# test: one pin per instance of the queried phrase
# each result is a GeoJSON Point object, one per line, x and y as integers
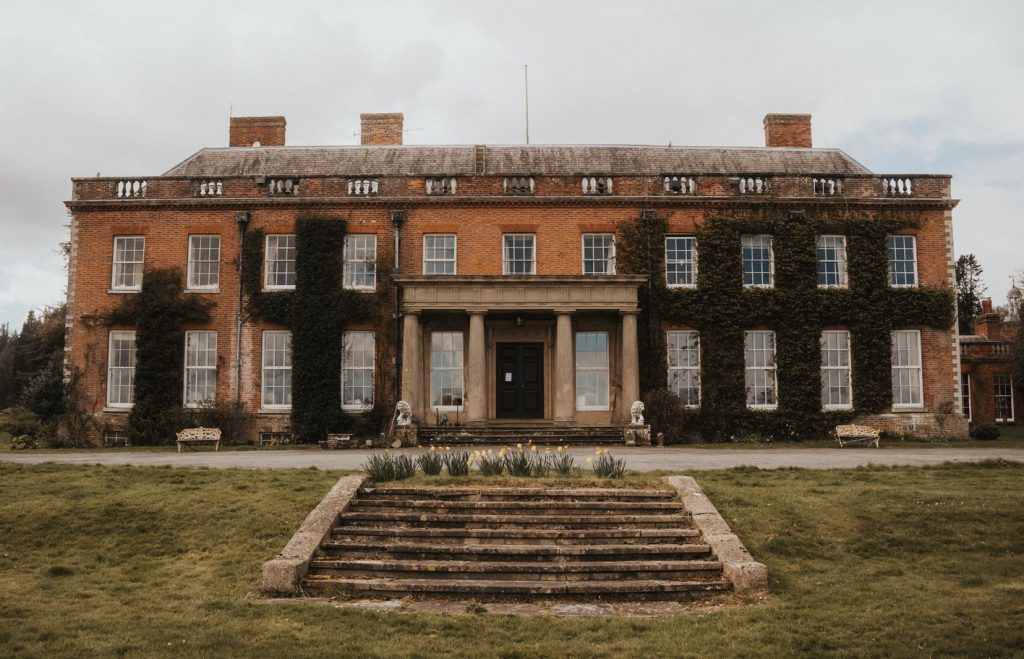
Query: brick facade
{"type": "Point", "coordinates": [205, 194]}
{"type": "Point", "coordinates": [986, 355]}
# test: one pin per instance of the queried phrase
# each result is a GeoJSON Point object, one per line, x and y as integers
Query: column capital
{"type": "Point", "coordinates": [412, 311]}
{"type": "Point", "coordinates": [476, 312]}
{"type": "Point", "coordinates": [564, 311]}
{"type": "Point", "coordinates": [629, 312]}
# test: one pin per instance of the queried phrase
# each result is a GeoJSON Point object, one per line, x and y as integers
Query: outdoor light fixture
{"type": "Point", "coordinates": [519, 320]}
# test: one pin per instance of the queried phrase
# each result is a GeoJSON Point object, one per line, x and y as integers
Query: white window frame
{"type": "Point", "coordinates": [914, 369]}
{"type": "Point", "coordinates": [609, 262]}
{"type": "Point", "coordinates": [265, 368]}
{"type": "Point", "coordinates": [890, 249]}
{"type": "Point", "coordinates": [192, 262]}
{"type": "Point", "coordinates": [346, 339]}
{"type": "Point", "coordinates": [680, 261]}
{"type": "Point", "coordinates": [197, 368]}
{"type": "Point", "coordinates": [772, 369]}
{"type": "Point", "coordinates": [688, 353]}
{"type": "Point", "coordinates": [267, 284]}
{"type": "Point", "coordinates": [599, 370]}
{"type": "Point", "coordinates": [121, 335]}
{"type": "Point", "coordinates": [749, 242]}
{"type": "Point", "coordinates": [506, 261]}
{"type": "Point", "coordinates": [366, 244]}
{"type": "Point", "coordinates": [137, 266]}
{"type": "Point", "coordinates": [845, 371]}
{"type": "Point", "coordinates": [837, 243]}
{"type": "Point", "coordinates": [965, 395]}
{"type": "Point", "coordinates": [997, 396]}
{"type": "Point", "coordinates": [458, 339]}
{"type": "Point", "coordinates": [455, 254]}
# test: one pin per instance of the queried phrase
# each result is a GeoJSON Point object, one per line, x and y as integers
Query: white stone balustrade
{"type": "Point", "coordinates": [283, 186]}
{"type": "Point", "coordinates": [131, 188]}
{"type": "Point", "coordinates": [210, 188]}
{"type": "Point", "coordinates": [827, 186]}
{"type": "Point", "coordinates": [754, 185]}
{"type": "Point", "coordinates": [897, 186]}
{"type": "Point", "coordinates": [597, 185]}
{"type": "Point", "coordinates": [441, 186]}
{"type": "Point", "coordinates": [514, 185]}
{"type": "Point", "coordinates": [680, 185]}
{"type": "Point", "coordinates": [363, 187]}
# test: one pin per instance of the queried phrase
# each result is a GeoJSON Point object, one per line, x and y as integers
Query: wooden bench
{"type": "Point", "coordinates": [853, 434]}
{"type": "Point", "coordinates": [190, 436]}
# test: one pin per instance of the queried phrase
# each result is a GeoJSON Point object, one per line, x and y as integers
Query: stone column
{"type": "Point", "coordinates": [565, 372]}
{"type": "Point", "coordinates": [476, 370]}
{"type": "Point", "coordinates": [630, 363]}
{"type": "Point", "coordinates": [412, 364]}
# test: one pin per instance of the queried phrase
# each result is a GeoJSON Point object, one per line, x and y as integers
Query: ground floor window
{"type": "Point", "coordinates": [357, 362]}
{"type": "Point", "coordinates": [965, 395]}
{"type": "Point", "coordinates": [277, 369]}
{"type": "Point", "coordinates": [1003, 387]}
{"type": "Point", "coordinates": [592, 370]}
{"type": "Point", "coordinates": [684, 366]}
{"type": "Point", "coordinates": [761, 374]}
{"type": "Point", "coordinates": [200, 368]}
{"type": "Point", "coordinates": [906, 369]}
{"type": "Point", "coordinates": [835, 370]}
{"type": "Point", "coordinates": [446, 355]}
{"type": "Point", "coordinates": [121, 369]}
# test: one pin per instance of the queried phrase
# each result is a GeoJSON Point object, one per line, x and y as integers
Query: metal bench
{"type": "Point", "coordinates": [854, 434]}
{"type": "Point", "coordinates": [190, 436]}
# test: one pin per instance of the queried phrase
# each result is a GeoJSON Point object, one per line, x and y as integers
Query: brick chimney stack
{"type": "Point", "coordinates": [256, 131]}
{"type": "Point", "coordinates": [787, 130]}
{"type": "Point", "coordinates": [381, 127]}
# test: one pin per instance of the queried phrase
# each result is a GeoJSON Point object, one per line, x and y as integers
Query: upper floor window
{"type": "Point", "coordinates": [519, 255]}
{"type": "Point", "coordinates": [761, 374]}
{"type": "Point", "coordinates": [129, 256]}
{"type": "Point", "coordinates": [121, 369]}
{"type": "Point", "coordinates": [277, 369]}
{"type": "Point", "coordinates": [902, 261]}
{"type": "Point", "coordinates": [279, 262]}
{"type": "Point", "coordinates": [836, 388]}
{"type": "Point", "coordinates": [681, 261]}
{"type": "Point", "coordinates": [360, 263]}
{"type": "Point", "coordinates": [598, 254]}
{"type": "Point", "coordinates": [200, 368]}
{"type": "Point", "coordinates": [906, 369]}
{"type": "Point", "coordinates": [597, 185]}
{"type": "Point", "coordinates": [684, 366]}
{"type": "Point", "coordinates": [203, 262]}
{"type": "Point", "coordinates": [357, 365]}
{"type": "Point", "coordinates": [758, 262]}
{"type": "Point", "coordinates": [831, 262]}
{"type": "Point", "coordinates": [439, 254]}
{"type": "Point", "coordinates": [592, 370]}
{"type": "Point", "coordinates": [1003, 388]}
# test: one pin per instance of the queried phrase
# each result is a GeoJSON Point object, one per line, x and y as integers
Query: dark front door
{"type": "Point", "coordinates": [520, 381]}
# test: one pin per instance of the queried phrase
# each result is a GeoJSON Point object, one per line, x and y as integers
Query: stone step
{"type": "Point", "coordinates": [638, 589]}
{"type": "Point", "coordinates": [517, 570]}
{"type": "Point", "coordinates": [515, 552]}
{"type": "Point", "coordinates": [516, 493]}
{"type": "Point", "coordinates": [453, 536]}
{"type": "Point", "coordinates": [511, 521]}
{"type": "Point", "coordinates": [536, 507]}
{"type": "Point", "coordinates": [512, 440]}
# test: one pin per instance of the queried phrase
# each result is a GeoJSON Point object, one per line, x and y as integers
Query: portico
{"type": "Point", "coordinates": [484, 349]}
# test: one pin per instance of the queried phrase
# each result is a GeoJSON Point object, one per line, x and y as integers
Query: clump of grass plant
{"type": "Point", "coordinates": [456, 462]}
{"type": "Point", "coordinates": [605, 466]}
{"type": "Point", "coordinates": [519, 460]}
{"type": "Point", "coordinates": [562, 461]}
{"type": "Point", "coordinates": [384, 467]}
{"type": "Point", "coordinates": [431, 462]}
{"type": "Point", "coordinates": [489, 463]}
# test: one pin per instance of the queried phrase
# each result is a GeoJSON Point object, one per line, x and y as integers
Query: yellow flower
{"type": "Point", "coordinates": [519, 446]}
{"type": "Point", "coordinates": [590, 461]}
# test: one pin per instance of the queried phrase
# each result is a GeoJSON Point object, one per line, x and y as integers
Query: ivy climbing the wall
{"type": "Point", "coordinates": [158, 313]}
{"type": "Point", "coordinates": [721, 309]}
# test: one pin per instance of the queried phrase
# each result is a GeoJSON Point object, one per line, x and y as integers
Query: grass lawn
{"type": "Point", "coordinates": [99, 561]}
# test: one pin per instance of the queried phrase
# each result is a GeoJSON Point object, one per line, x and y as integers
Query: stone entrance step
{"type": "Point", "coordinates": [543, 434]}
{"type": "Point", "coordinates": [519, 570]}
{"type": "Point", "coordinates": [456, 536]}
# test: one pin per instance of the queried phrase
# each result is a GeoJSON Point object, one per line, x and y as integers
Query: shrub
{"type": "Point", "coordinates": [456, 462]}
{"type": "Point", "coordinates": [384, 467]}
{"type": "Point", "coordinates": [19, 421]}
{"type": "Point", "coordinates": [431, 462]}
{"type": "Point", "coordinates": [234, 422]}
{"type": "Point", "coordinates": [23, 443]}
{"type": "Point", "coordinates": [986, 432]}
{"type": "Point", "coordinates": [605, 466]}
{"type": "Point", "coordinates": [489, 462]}
{"type": "Point", "coordinates": [665, 413]}
{"type": "Point", "coordinates": [563, 461]}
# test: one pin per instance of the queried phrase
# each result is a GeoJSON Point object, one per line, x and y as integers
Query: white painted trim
{"type": "Point", "coordinates": [695, 261]}
{"type": "Point", "coordinates": [455, 261]}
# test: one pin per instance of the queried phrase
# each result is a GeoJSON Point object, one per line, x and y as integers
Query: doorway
{"type": "Point", "coordinates": [520, 385]}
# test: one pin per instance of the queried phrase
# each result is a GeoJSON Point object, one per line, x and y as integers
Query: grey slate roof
{"type": "Point", "coordinates": [508, 160]}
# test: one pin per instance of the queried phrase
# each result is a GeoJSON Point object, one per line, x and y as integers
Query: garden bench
{"type": "Point", "coordinates": [853, 434]}
{"type": "Point", "coordinates": [190, 436]}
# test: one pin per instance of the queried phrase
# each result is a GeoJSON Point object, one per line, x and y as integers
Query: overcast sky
{"type": "Point", "coordinates": [132, 88]}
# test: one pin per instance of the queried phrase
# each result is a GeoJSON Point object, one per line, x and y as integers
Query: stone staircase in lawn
{"type": "Point", "coordinates": [492, 544]}
{"type": "Point", "coordinates": [520, 433]}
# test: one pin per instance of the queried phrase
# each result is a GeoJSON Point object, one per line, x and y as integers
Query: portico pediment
{"type": "Point", "coordinates": [519, 293]}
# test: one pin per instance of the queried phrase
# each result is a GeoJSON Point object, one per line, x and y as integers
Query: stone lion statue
{"type": "Point", "coordinates": [403, 413]}
{"type": "Point", "coordinates": [637, 411]}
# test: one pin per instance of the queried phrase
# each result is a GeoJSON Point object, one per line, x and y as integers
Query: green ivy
{"type": "Point", "coordinates": [317, 313]}
{"type": "Point", "coordinates": [158, 313]}
{"type": "Point", "coordinates": [796, 309]}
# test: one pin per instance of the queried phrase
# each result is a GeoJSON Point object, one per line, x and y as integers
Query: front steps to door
{"type": "Point", "coordinates": [520, 433]}
{"type": "Point", "coordinates": [515, 543]}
